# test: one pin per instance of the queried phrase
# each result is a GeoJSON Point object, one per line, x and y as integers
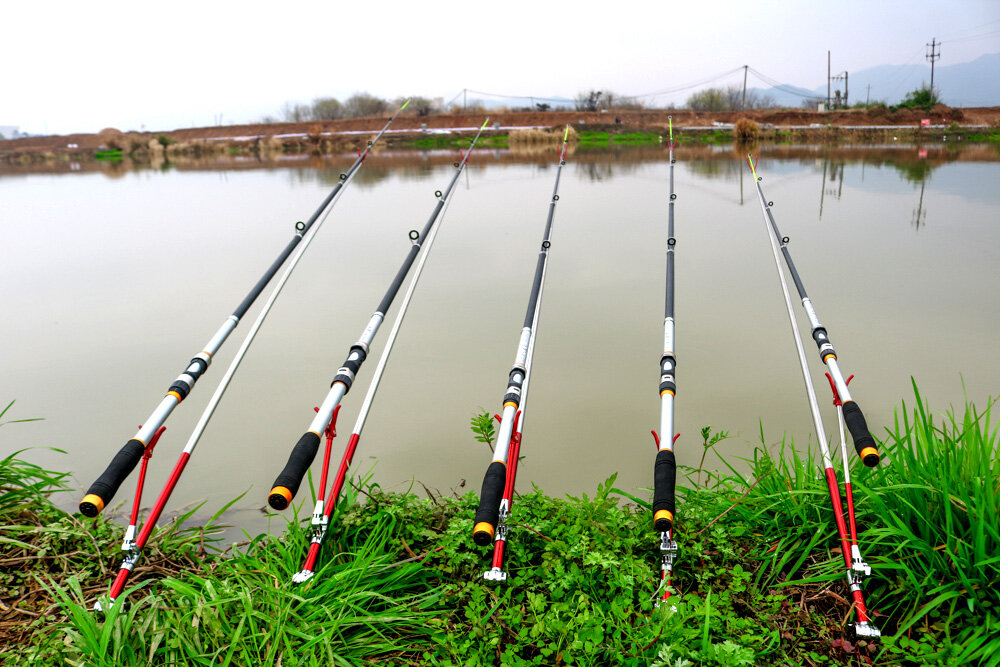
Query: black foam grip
{"type": "Point", "coordinates": [664, 479]}
{"type": "Point", "coordinates": [106, 486]}
{"type": "Point", "coordinates": [298, 463]}
{"type": "Point", "coordinates": [489, 500]}
{"type": "Point", "coordinates": [863, 439]}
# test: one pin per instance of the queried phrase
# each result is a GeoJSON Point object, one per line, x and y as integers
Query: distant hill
{"type": "Point", "coordinates": [971, 84]}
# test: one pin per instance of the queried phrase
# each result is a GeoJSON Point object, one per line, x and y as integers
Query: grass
{"type": "Point", "coordinates": [758, 573]}
{"type": "Point", "coordinates": [594, 139]}
{"type": "Point", "coordinates": [438, 141]}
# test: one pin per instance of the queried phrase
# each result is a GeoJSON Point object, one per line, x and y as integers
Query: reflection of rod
{"type": "Point", "coordinates": [920, 206]}
{"type": "Point", "coordinates": [822, 191]}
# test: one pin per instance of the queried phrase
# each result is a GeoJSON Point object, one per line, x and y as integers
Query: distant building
{"type": "Point", "coordinates": [9, 132]}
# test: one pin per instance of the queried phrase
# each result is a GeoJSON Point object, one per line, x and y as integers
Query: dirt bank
{"type": "Point", "coordinates": [341, 134]}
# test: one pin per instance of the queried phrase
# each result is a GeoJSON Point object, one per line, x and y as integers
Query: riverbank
{"type": "Point", "coordinates": [875, 125]}
{"type": "Point", "coordinates": [757, 574]}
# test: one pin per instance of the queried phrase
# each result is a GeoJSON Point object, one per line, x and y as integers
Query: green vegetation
{"type": "Point", "coordinates": [758, 576]}
{"type": "Point", "coordinates": [439, 141]}
{"type": "Point", "coordinates": [592, 139]}
{"type": "Point", "coordinates": [110, 155]}
{"type": "Point", "coordinates": [921, 98]}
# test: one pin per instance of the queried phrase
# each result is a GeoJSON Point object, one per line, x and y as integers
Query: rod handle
{"type": "Point", "coordinates": [488, 514]}
{"type": "Point", "coordinates": [664, 480]}
{"type": "Point", "coordinates": [864, 443]}
{"type": "Point", "coordinates": [106, 486]}
{"type": "Point", "coordinates": [287, 482]}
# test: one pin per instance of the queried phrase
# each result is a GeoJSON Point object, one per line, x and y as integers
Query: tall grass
{"type": "Point", "coordinates": [928, 524]}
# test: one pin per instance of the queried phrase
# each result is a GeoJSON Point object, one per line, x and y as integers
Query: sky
{"type": "Point", "coordinates": [81, 67]}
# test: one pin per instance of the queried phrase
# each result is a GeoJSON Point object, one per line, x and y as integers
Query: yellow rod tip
{"type": "Point", "coordinates": [405, 104]}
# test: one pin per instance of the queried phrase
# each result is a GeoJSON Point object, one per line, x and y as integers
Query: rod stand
{"type": "Point", "coordinates": [302, 577]}
{"type": "Point", "coordinates": [318, 517]}
{"type": "Point", "coordinates": [495, 574]}
{"type": "Point", "coordinates": [128, 542]}
{"type": "Point", "coordinates": [860, 568]}
{"type": "Point", "coordinates": [668, 548]}
{"type": "Point", "coordinates": [867, 630]}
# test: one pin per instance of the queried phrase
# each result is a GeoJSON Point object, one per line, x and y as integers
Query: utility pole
{"type": "Point", "coordinates": [847, 104]}
{"type": "Point", "coordinates": [464, 93]}
{"type": "Point", "coordinates": [868, 97]}
{"type": "Point", "coordinates": [744, 105]}
{"type": "Point", "coordinates": [828, 80]}
{"type": "Point", "coordinates": [933, 54]}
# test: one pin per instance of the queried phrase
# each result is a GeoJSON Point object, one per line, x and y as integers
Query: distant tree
{"type": "Point", "coordinates": [296, 113]}
{"type": "Point", "coordinates": [542, 106]}
{"type": "Point", "coordinates": [710, 99]}
{"type": "Point", "coordinates": [360, 105]}
{"type": "Point", "coordinates": [327, 108]}
{"type": "Point", "coordinates": [595, 100]}
{"type": "Point", "coordinates": [589, 101]}
{"type": "Point", "coordinates": [423, 106]}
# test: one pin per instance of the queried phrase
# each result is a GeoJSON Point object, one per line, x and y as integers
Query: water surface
{"type": "Point", "coordinates": [115, 278]}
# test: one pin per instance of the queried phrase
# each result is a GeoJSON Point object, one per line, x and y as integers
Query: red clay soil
{"type": "Point", "coordinates": [647, 119]}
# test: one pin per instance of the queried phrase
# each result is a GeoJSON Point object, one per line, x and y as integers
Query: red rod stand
{"type": "Point", "coordinates": [833, 388]}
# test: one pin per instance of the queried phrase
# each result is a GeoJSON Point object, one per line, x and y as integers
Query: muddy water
{"type": "Point", "coordinates": [114, 279]}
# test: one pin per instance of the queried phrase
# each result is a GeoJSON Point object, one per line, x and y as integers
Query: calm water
{"type": "Point", "coordinates": [114, 279]}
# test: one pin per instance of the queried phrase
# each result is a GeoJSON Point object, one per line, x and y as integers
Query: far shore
{"type": "Point", "coordinates": [873, 125]}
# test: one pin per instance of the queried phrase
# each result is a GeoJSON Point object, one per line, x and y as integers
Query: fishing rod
{"type": "Point", "coordinates": [321, 519]}
{"type": "Point", "coordinates": [287, 483]}
{"type": "Point", "coordinates": [497, 493]}
{"type": "Point", "coordinates": [848, 411]}
{"type": "Point", "coordinates": [665, 466]}
{"type": "Point", "coordinates": [106, 486]}
{"type": "Point", "coordinates": [133, 547]}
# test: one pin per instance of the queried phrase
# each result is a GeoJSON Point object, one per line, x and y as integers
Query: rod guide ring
{"type": "Point", "coordinates": [546, 244]}
{"type": "Point", "coordinates": [414, 235]}
{"type": "Point", "coordinates": [300, 226]}
{"type": "Point", "coordinates": [674, 161]}
{"type": "Point", "coordinates": [672, 196]}
{"type": "Point", "coordinates": [455, 164]}
{"type": "Point", "coordinates": [437, 193]}
{"type": "Point", "coordinates": [760, 178]}
{"type": "Point", "coordinates": [770, 204]}
{"type": "Point", "coordinates": [671, 241]}
{"type": "Point", "coordinates": [562, 163]}
{"type": "Point", "coordinates": [343, 177]}
{"type": "Point", "coordinates": [784, 239]}
{"type": "Point", "coordinates": [555, 197]}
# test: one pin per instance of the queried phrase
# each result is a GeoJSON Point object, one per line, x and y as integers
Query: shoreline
{"type": "Point", "coordinates": [980, 124]}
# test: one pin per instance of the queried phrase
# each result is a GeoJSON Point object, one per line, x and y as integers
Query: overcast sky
{"type": "Point", "coordinates": [80, 67]}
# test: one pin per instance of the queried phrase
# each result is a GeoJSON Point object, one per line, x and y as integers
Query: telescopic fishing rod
{"type": "Point", "coordinates": [665, 467]}
{"type": "Point", "coordinates": [848, 411]}
{"type": "Point", "coordinates": [287, 483]}
{"type": "Point", "coordinates": [104, 488]}
{"type": "Point", "coordinates": [497, 493]}
{"type": "Point", "coordinates": [321, 520]}
{"type": "Point", "coordinates": [133, 545]}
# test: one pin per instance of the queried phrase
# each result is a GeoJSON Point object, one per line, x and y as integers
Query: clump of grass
{"type": "Point", "coordinates": [746, 131]}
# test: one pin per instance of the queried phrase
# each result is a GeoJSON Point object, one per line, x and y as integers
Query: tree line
{"type": "Point", "coordinates": [364, 105]}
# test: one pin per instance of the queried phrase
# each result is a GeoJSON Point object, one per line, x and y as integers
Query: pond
{"type": "Point", "coordinates": [115, 277]}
